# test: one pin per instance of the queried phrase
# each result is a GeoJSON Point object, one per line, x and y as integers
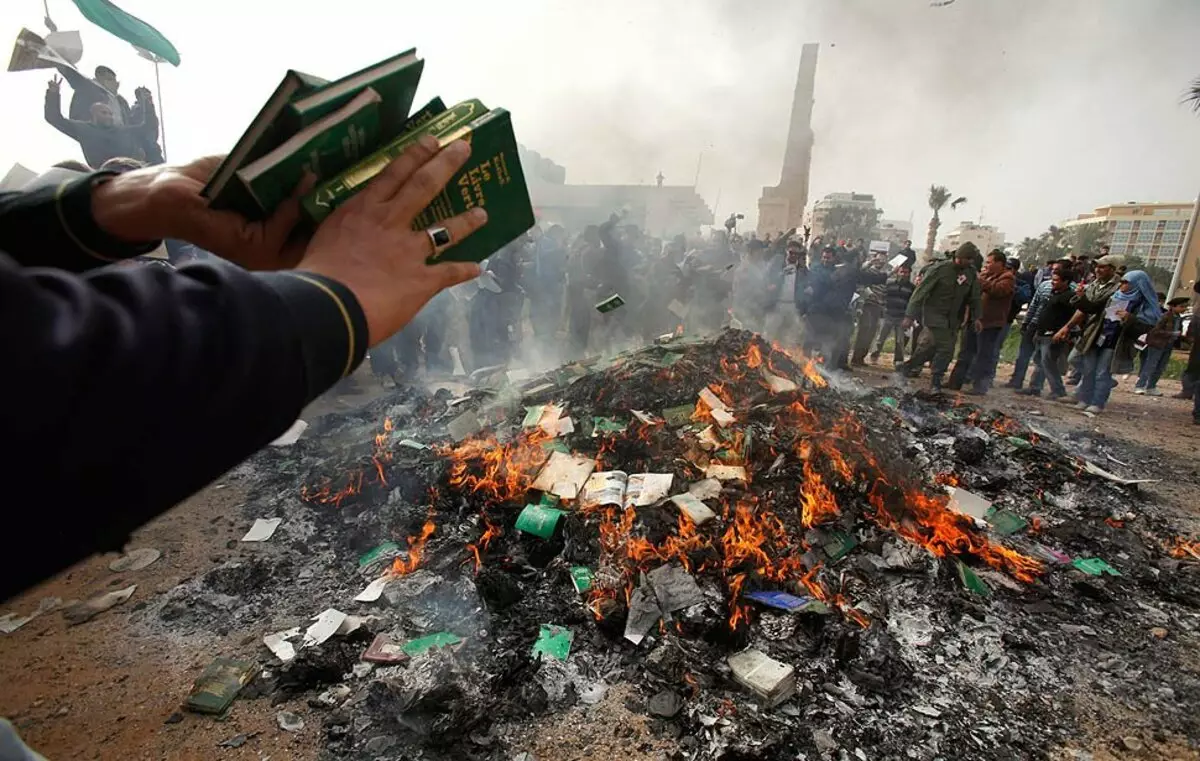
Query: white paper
{"type": "Point", "coordinates": [412, 444]}
{"type": "Point", "coordinates": [693, 508]}
{"type": "Point", "coordinates": [278, 644]}
{"type": "Point", "coordinates": [645, 417]}
{"type": "Point", "coordinates": [647, 488]}
{"type": "Point", "coordinates": [374, 590]}
{"type": "Point", "coordinates": [564, 426]}
{"type": "Point", "coordinates": [723, 417]}
{"type": "Point", "coordinates": [970, 504]}
{"type": "Point", "coordinates": [549, 420]}
{"type": "Point", "coordinates": [564, 474]}
{"type": "Point", "coordinates": [291, 435]}
{"type": "Point", "coordinates": [1096, 470]}
{"type": "Point", "coordinates": [726, 472]}
{"type": "Point", "coordinates": [605, 487]}
{"type": "Point", "coordinates": [326, 625]}
{"type": "Point", "coordinates": [708, 439]}
{"type": "Point", "coordinates": [896, 260]}
{"type": "Point", "coordinates": [262, 530]}
{"type": "Point", "coordinates": [713, 401]}
{"type": "Point", "coordinates": [706, 489]}
{"type": "Point", "coordinates": [777, 384]}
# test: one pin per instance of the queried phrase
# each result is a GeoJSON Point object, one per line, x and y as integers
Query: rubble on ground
{"type": "Point", "coordinates": [790, 583]}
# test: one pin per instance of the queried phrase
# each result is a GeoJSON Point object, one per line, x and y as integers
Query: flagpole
{"type": "Point", "coordinates": [162, 122]}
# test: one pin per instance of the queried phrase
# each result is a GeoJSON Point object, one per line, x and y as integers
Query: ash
{"type": "Point", "coordinates": [924, 633]}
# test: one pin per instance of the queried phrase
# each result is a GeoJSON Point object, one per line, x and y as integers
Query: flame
{"type": "Point", "coordinates": [946, 479]}
{"type": "Point", "coordinates": [1184, 548]}
{"type": "Point", "coordinates": [507, 469]}
{"type": "Point", "coordinates": [477, 548]}
{"type": "Point", "coordinates": [753, 356]}
{"type": "Point", "coordinates": [325, 494]}
{"type": "Point", "coordinates": [817, 503]}
{"type": "Point", "coordinates": [403, 566]}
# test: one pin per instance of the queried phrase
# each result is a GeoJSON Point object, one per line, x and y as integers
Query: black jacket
{"type": "Point", "coordinates": [1055, 312]}
{"type": "Point", "coordinates": [126, 389]}
{"type": "Point", "coordinates": [895, 299]}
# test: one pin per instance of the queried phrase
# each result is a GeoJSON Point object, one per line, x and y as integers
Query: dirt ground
{"type": "Point", "coordinates": [101, 691]}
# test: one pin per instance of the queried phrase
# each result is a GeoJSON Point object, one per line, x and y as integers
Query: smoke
{"type": "Point", "coordinates": [1035, 110]}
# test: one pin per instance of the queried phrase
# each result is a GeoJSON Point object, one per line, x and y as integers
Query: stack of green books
{"type": "Point", "coordinates": [346, 131]}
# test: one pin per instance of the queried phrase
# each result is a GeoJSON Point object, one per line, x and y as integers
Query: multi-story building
{"type": "Point", "coordinates": [1153, 232]}
{"type": "Point", "coordinates": [831, 201]}
{"type": "Point", "coordinates": [985, 237]}
{"type": "Point", "coordinates": [894, 231]}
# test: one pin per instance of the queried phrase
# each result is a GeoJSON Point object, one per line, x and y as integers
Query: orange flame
{"type": "Point", "coordinates": [507, 469]}
{"type": "Point", "coordinates": [477, 548]}
{"type": "Point", "coordinates": [1184, 548]}
{"type": "Point", "coordinates": [416, 548]}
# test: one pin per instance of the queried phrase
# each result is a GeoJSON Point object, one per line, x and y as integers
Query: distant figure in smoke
{"type": "Point", "coordinates": [400, 357]}
{"type": "Point", "coordinates": [548, 279]}
{"type": "Point", "coordinates": [897, 291]}
{"type": "Point", "coordinates": [825, 302]}
{"type": "Point", "coordinates": [494, 321]}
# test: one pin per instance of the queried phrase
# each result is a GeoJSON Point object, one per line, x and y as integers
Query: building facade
{"type": "Point", "coordinates": [782, 207]}
{"type": "Point", "coordinates": [894, 231]}
{"type": "Point", "coordinates": [659, 210]}
{"type": "Point", "coordinates": [832, 201]}
{"type": "Point", "coordinates": [1153, 232]}
{"type": "Point", "coordinates": [985, 237]}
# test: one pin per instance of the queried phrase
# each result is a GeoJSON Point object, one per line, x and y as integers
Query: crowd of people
{"type": "Point", "coordinates": [1082, 322]}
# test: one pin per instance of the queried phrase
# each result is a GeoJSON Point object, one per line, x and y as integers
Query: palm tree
{"type": "Point", "coordinates": [1192, 95]}
{"type": "Point", "coordinates": [938, 197]}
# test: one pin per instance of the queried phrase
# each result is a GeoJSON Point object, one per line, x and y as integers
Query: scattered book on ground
{"type": "Point", "coordinates": [615, 487]}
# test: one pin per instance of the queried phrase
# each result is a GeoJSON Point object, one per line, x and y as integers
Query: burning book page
{"type": "Point", "coordinates": [726, 472]}
{"type": "Point", "coordinates": [717, 408]}
{"type": "Point", "coordinates": [564, 474]}
{"type": "Point", "coordinates": [777, 384]}
{"type": "Point", "coordinates": [694, 508]}
{"type": "Point", "coordinates": [618, 488]}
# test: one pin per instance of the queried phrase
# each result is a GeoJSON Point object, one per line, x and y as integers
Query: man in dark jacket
{"type": "Point", "coordinates": [825, 302]}
{"type": "Point", "coordinates": [871, 313]}
{"type": "Point", "coordinates": [1054, 310]}
{"type": "Point", "coordinates": [897, 291]}
{"type": "Point", "coordinates": [949, 289]}
{"type": "Point", "coordinates": [140, 385]}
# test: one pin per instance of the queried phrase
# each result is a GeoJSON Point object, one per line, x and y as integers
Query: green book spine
{"type": "Point", "coordinates": [422, 117]}
{"type": "Point", "coordinates": [324, 155]}
{"type": "Point", "coordinates": [492, 178]}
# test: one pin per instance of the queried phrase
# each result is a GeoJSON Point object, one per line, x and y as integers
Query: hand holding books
{"type": "Point", "coordinates": [369, 245]}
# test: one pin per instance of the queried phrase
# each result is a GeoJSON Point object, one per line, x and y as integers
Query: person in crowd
{"type": "Point", "coordinates": [1188, 379]}
{"type": "Point", "coordinates": [582, 288]}
{"type": "Point", "coordinates": [1129, 312]}
{"type": "Point", "coordinates": [227, 355]}
{"type": "Point", "coordinates": [897, 291]}
{"type": "Point", "coordinates": [101, 138]}
{"type": "Point", "coordinates": [789, 269]}
{"type": "Point", "coordinates": [755, 288]}
{"type": "Point", "coordinates": [1090, 300]}
{"type": "Point", "coordinates": [825, 303]}
{"type": "Point", "coordinates": [1022, 295]}
{"type": "Point", "coordinates": [948, 289]}
{"type": "Point", "coordinates": [996, 283]}
{"type": "Point", "coordinates": [1193, 365]}
{"type": "Point", "coordinates": [105, 89]}
{"type": "Point", "coordinates": [547, 281]}
{"type": "Point", "coordinates": [1029, 351]}
{"type": "Point", "coordinates": [968, 346]}
{"type": "Point", "coordinates": [1050, 310]}
{"type": "Point", "coordinates": [871, 311]}
{"type": "Point", "coordinates": [1160, 341]}
{"type": "Point", "coordinates": [910, 256]}
{"type": "Point", "coordinates": [494, 321]}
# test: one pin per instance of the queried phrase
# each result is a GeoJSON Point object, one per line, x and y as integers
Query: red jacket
{"type": "Point", "coordinates": [997, 298]}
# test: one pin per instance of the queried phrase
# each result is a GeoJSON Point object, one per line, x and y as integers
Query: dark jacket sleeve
{"type": "Point", "coordinates": [53, 227]}
{"type": "Point", "coordinates": [129, 388]}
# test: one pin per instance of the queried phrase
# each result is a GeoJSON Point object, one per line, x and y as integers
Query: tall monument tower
{"type": "Point", "coordinates": [782, 207]}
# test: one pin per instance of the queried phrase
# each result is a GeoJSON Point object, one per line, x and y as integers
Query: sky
{"type": "Point", "coordinates": [1036, 110]}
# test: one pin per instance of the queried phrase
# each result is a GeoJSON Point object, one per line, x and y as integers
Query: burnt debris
{"type": "Point", "coordinates": [840, 602]}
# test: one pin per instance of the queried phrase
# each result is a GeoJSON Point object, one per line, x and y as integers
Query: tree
{"type": "Point", "coordinates": [1159, 276]}
{"type": "Point", "coordinates": [939, 196]}
{"type": "Point", "coordinates": [1086, 240]}
{"type": "Point", "coordinates": [1192, 95]}
{"type": "Point", "coordinates": [851, 222]}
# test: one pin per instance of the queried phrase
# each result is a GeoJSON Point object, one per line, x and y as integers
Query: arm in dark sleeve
{"type": "Point", "coordinates": [130, 388]}
{"type": "Point", "coordinates": [54, 117]}
{"type": "Point", "coordinates": [53, 227]}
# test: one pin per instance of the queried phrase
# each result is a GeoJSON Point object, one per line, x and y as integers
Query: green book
{"type": "Point", "coordinates": [421, 118]}
{"type": "Point", "coordinates": [223, 191]}
{"type": "Point", "coordinates": [492, 178]}
{"type": "Point", "coordinates": [395, 79]}
{"type": "Point", "coordinates": [324, 148]}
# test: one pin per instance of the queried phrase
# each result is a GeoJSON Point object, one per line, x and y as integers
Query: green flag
{"type": "Point", "coordinates": [129, 28]}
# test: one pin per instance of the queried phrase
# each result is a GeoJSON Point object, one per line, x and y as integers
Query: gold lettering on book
{"type": "Point", "coordinates": [501, 163]}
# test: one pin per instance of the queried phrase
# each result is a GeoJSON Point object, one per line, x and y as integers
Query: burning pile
{"type": "Point", "coordinates": [713, 522]}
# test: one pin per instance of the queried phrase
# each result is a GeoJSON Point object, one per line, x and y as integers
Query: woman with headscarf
{"type": "Point", "coordinates": [1131, 311]}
